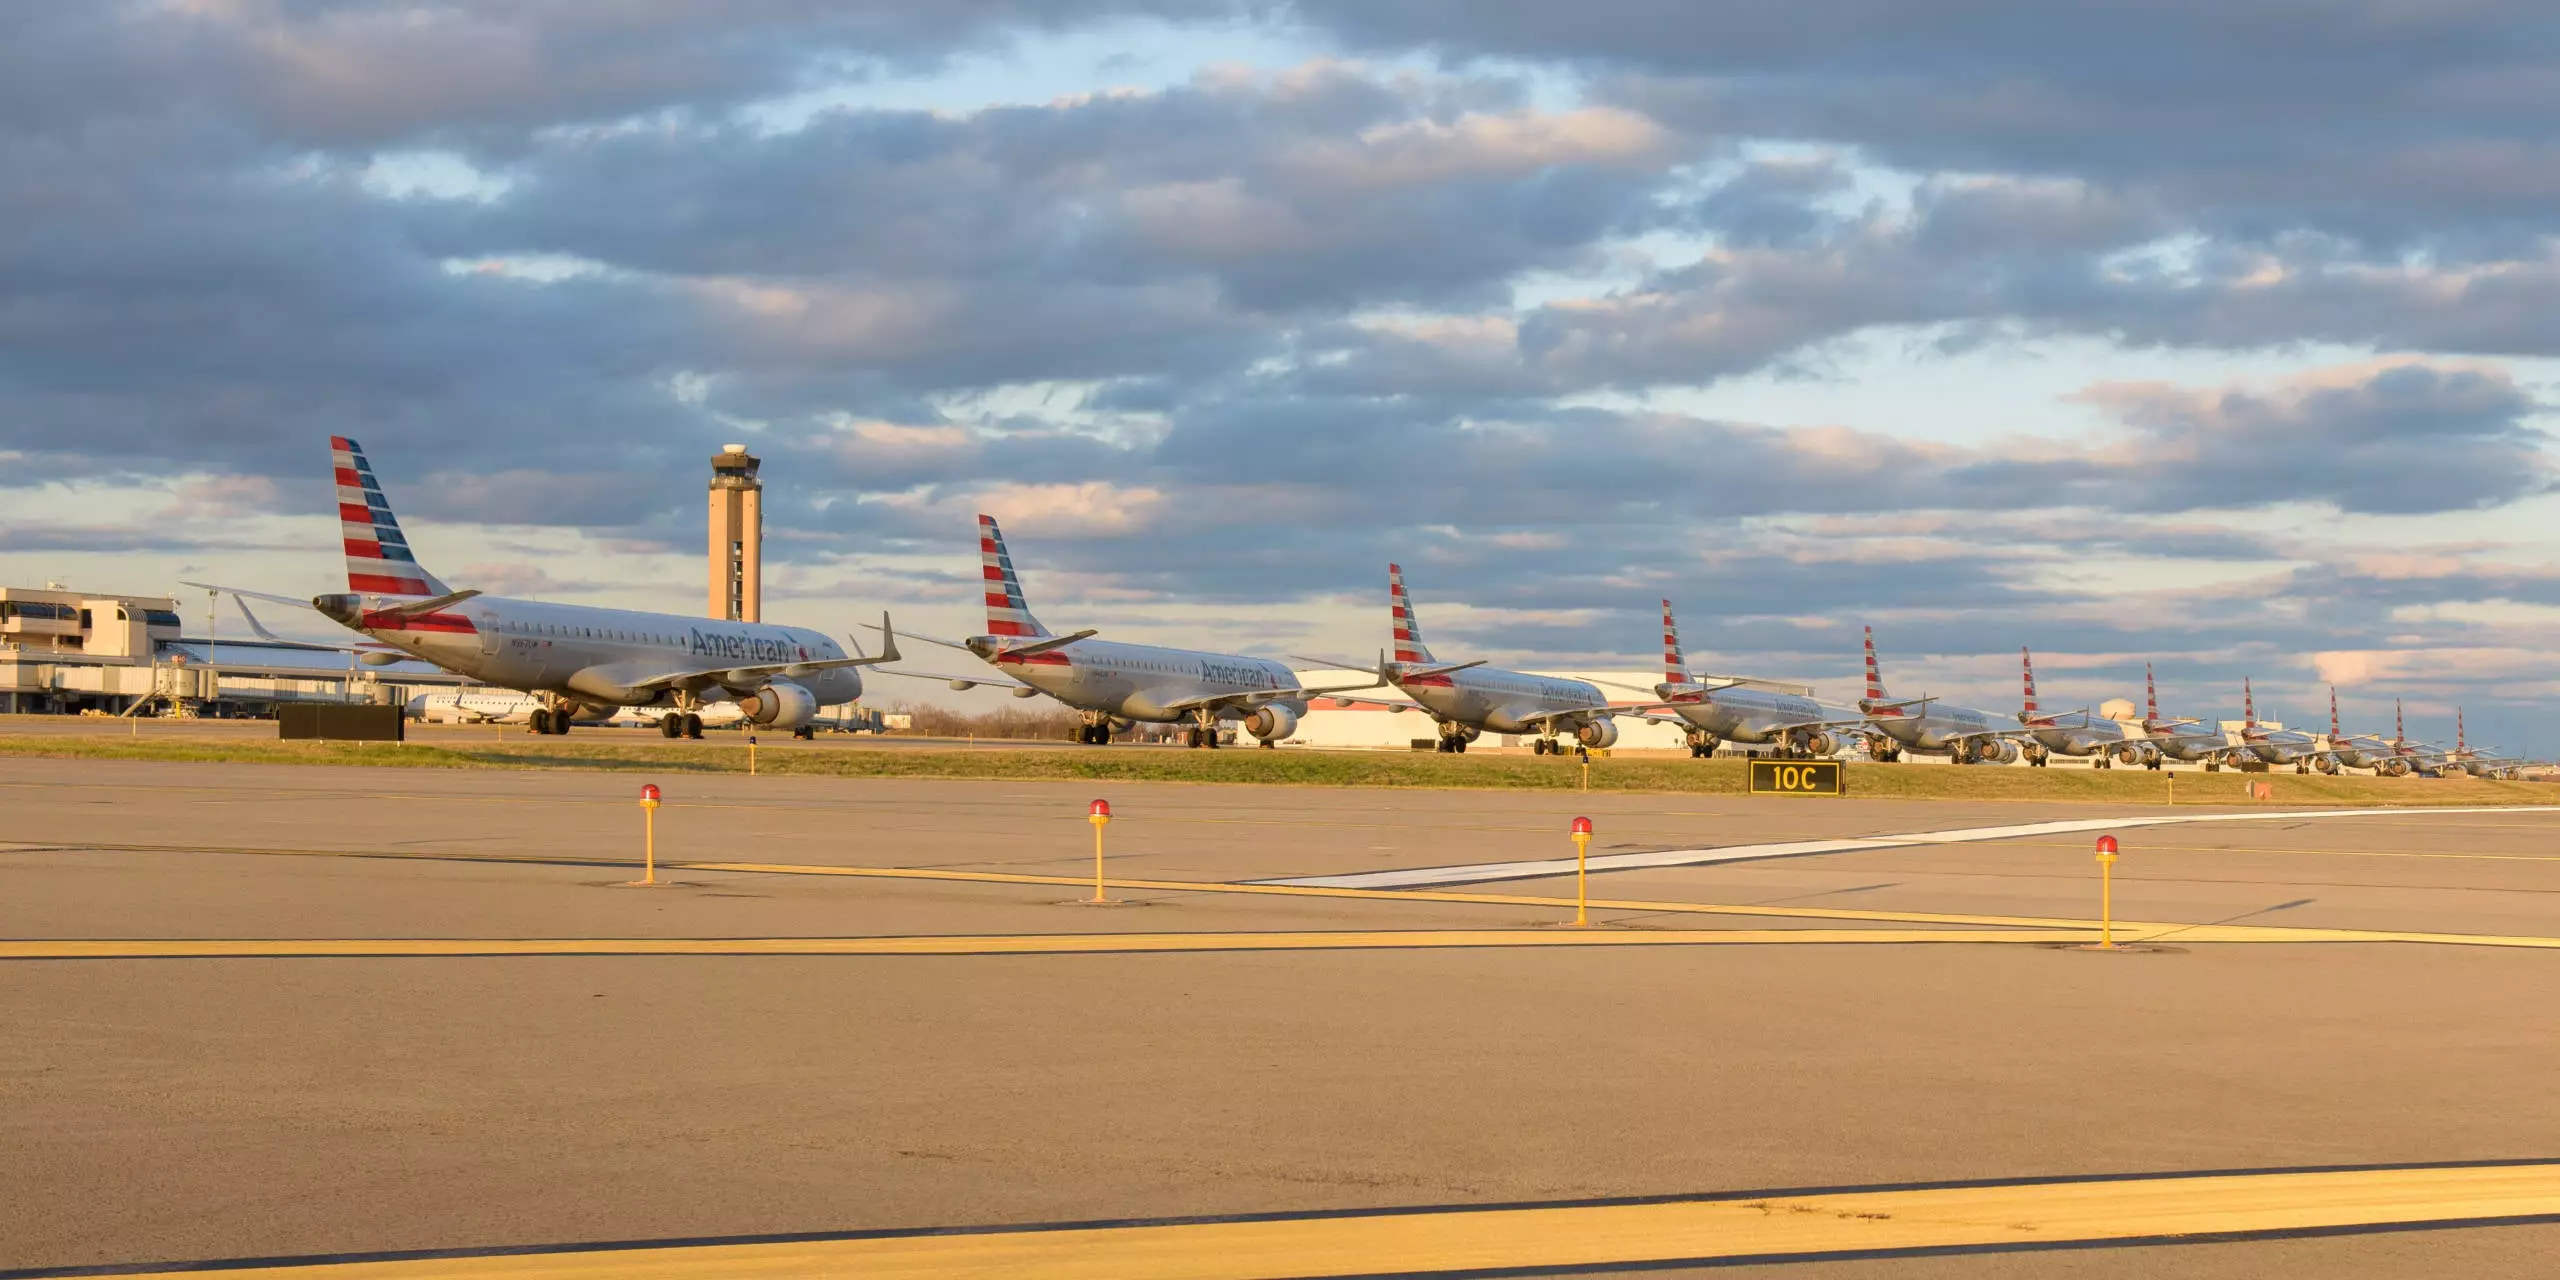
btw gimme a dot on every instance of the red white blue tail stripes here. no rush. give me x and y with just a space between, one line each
1675 668
1408 633
1875 680
2333 715
2027 665
1007 615
2150 697
2248 705
378 557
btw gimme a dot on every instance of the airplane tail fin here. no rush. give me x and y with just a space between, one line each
2150 697
2460 744
1007 615
2399 732
1408 631
1875 680
2027 666
2333 713
2248 704
378 557
1675 668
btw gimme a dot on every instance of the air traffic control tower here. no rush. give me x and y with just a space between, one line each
737 536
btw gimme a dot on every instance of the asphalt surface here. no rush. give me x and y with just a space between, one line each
196 1109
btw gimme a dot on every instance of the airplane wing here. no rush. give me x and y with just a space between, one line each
757 674
912 635
316 646
238 593
996 682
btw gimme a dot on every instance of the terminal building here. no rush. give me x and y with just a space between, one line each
71 652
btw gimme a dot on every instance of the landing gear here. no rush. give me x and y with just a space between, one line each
1095 731
806 733
1701 744
552 720
2213 766
692 726
671 725
1453 740
2302 766
1546 747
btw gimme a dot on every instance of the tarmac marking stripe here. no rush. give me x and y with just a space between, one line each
1476 873
971 945
1776 1227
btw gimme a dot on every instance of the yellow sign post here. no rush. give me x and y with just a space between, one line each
649 834
2106 893
1581 872
751 755
1099 814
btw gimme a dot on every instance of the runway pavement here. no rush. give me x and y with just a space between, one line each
380 1014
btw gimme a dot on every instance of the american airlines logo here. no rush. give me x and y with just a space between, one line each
713 644
1237 674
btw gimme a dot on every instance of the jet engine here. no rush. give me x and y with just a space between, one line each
1996 751
780 705
2135 754
2326 764
1025 691
381 659
1817 743
1599 735
1271 723
964 686
2395 769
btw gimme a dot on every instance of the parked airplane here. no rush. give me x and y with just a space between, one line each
1798 725
1116 684
2078 733
2463 760
2357 751
1927 725
2188 740
1470 699
581 662
2275 745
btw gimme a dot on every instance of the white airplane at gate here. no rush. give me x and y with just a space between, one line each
1116 684
581 662
1798 724
1932 727
1470 699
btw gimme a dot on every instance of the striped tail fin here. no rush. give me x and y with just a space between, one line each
1675 668
378 557
2333 713
1408 632
2027 664
1007 615
1875 680
2150 697
2461 744
2248 705
2399 731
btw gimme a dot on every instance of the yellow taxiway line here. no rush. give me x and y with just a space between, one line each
973 944
1124 943
1768 1227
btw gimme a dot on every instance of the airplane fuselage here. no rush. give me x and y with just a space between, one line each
1937 728
2086 735
1492 700
1740 713
2280 746
1141 681
593 655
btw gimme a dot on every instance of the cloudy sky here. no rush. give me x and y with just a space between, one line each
2218 335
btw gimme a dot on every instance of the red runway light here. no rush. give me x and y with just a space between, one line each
1099 809
1582 826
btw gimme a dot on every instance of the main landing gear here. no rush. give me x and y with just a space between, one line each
684 724
1453 740
1095 731
1203 733
1702 745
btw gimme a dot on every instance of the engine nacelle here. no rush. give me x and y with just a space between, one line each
1996 751
780 705
1818 743
2395 769
2134 754
377 658
963 686
2326 764
1025 691
1271 723
1599 735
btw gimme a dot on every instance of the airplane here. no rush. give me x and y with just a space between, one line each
2356 751
2463 760
2274 745
581 662
1800 725
1115 684
1470 699
2078 733
1929 726
2183 740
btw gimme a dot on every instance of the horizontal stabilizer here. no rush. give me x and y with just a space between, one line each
421 608
1045 644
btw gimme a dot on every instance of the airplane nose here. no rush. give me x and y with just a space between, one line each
342 607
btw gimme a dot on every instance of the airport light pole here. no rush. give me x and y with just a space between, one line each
2106 893
1581 872
1099 814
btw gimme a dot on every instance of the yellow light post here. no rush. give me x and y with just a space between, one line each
1581 872
2106 893
1099 814
649 834
751 755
